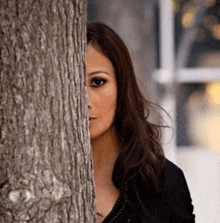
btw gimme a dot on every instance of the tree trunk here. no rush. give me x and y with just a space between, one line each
46 172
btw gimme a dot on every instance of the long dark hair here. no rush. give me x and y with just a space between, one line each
141 159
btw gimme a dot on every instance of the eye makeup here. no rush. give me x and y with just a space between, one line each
98 81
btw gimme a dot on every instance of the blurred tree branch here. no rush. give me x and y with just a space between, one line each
189 35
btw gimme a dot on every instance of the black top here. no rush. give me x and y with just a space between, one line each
172 205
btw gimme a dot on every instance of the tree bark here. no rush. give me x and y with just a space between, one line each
46 172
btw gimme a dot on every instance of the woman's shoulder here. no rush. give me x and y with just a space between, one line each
173 202
171 174
173 182
174 194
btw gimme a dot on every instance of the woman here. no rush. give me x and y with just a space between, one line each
134 181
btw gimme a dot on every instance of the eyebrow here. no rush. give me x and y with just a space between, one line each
98 72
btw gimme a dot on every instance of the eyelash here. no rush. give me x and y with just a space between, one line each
98 79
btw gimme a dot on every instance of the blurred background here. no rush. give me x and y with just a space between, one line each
175 47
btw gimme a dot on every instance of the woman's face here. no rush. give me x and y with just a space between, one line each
102 92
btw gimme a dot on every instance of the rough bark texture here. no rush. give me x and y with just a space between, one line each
46 170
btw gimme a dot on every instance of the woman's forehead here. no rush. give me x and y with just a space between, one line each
97 61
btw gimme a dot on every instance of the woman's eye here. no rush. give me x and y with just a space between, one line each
97 82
